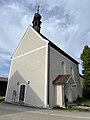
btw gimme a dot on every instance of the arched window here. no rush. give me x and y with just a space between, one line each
72 71
63 68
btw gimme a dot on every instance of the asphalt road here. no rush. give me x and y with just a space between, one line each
14 112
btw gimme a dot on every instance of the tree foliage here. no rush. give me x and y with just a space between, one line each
85 57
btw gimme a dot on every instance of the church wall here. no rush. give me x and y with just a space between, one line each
30 41
55 69
28 68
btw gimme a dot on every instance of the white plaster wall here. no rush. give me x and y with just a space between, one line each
68 91
29 63
82 83
55 69
29 68
30 41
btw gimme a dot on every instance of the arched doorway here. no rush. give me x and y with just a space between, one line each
22 93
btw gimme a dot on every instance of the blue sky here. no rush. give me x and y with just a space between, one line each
64 22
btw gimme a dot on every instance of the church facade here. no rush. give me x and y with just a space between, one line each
41 74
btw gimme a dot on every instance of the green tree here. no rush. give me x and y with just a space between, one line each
85 57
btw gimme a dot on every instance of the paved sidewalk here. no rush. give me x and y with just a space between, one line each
84 107
16 112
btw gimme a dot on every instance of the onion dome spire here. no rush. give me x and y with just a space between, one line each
36 21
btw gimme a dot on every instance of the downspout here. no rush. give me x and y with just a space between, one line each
48 83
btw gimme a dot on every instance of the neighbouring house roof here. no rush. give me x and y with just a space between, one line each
61 79
59 50
4 79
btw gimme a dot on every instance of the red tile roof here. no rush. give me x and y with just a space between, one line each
61 79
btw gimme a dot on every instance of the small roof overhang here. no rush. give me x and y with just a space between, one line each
64 79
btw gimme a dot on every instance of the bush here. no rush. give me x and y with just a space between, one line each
86 92
2 99
79 99
56 107
78 109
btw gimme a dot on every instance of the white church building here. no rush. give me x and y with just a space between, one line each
41 74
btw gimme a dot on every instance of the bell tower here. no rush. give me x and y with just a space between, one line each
36 21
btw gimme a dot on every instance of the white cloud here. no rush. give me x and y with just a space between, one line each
67 23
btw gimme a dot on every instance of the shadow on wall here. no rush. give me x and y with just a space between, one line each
30 93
